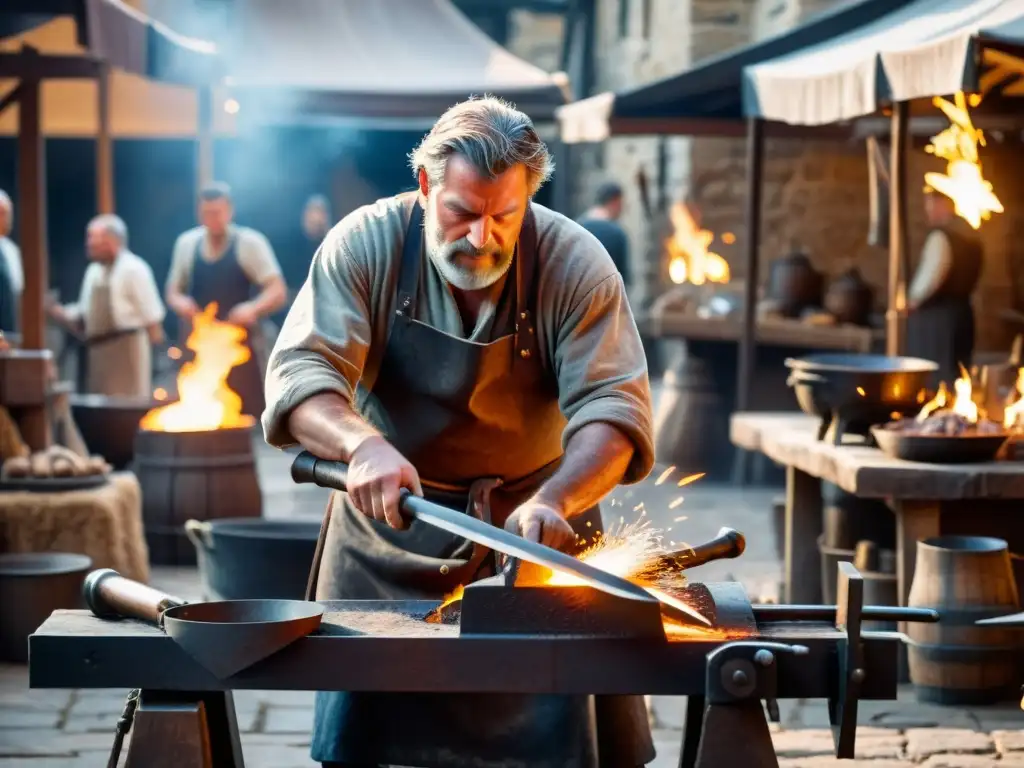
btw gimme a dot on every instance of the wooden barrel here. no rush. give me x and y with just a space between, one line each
193 475
964 578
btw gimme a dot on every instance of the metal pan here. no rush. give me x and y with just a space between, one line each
938 449
224 637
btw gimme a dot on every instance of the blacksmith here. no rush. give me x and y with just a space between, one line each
473 347
12 280
235 267
118 312
941 322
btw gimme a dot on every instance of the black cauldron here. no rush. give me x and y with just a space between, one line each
851 393
254 558
108 424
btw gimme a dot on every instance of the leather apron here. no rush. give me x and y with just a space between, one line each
225 282
119 361
482 425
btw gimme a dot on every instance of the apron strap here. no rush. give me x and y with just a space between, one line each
409 272
526 267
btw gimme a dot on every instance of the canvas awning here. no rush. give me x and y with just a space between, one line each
385 59
708 98
926 48
115 33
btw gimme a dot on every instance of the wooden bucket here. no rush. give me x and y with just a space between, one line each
193 475
964 578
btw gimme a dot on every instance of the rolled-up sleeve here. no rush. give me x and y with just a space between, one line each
602 372
324 342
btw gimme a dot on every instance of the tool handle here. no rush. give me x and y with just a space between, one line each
110 595
729 543
307 468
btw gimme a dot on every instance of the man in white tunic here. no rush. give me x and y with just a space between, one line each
12 280
119 313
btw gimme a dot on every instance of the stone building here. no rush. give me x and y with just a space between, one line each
816 192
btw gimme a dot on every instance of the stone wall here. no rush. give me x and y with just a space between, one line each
816 193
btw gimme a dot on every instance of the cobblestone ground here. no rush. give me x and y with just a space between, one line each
74 729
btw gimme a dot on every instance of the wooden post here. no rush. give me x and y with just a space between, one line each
748 338
895 316
32 213
104 145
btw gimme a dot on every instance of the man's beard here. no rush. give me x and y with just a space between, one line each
487 265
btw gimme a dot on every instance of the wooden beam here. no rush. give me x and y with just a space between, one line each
104 145
32 231
899 248
30 63
9 98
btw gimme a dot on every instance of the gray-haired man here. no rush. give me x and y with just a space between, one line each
118 311
467 345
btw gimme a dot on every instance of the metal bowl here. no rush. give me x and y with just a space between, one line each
938 449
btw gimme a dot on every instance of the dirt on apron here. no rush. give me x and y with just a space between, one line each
487 426
119 363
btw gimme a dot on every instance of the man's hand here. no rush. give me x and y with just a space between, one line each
243 314
376 476
542 523
184 307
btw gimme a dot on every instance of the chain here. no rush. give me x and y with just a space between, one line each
123 726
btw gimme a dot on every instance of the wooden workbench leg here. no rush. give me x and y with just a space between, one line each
915 521
185 730
802 575
692 727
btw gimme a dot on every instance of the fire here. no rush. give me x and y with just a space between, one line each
205 401
1013 415
962 403
963 183
689 258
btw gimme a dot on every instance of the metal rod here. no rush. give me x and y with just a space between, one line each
898 246
774 613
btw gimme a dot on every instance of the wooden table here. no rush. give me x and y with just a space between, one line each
699 386
927 499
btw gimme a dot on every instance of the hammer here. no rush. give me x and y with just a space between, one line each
728 544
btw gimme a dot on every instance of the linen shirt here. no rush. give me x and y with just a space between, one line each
334 336
134 297
255 256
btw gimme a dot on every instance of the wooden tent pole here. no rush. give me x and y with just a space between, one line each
748 339
32 214
104 145
899 248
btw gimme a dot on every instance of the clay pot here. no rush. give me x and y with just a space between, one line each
794 283
850 299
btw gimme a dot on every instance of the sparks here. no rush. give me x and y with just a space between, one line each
675 503
680 519
664 475
690 479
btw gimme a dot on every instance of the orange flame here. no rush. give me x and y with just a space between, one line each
962 403
1013 415
963 183
690 261
205 401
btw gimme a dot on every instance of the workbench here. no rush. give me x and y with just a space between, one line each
387 646
927 499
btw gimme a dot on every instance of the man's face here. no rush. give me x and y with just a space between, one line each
314 221
215 215
614 208
101 245
6 215
472 223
